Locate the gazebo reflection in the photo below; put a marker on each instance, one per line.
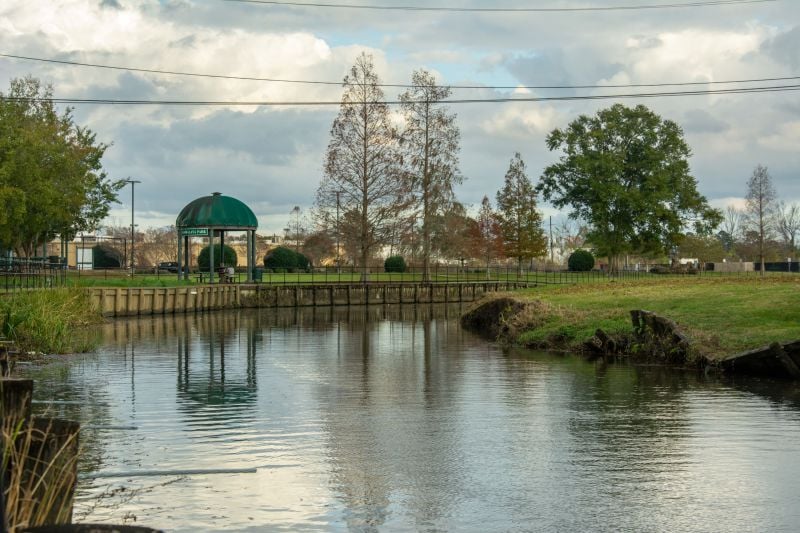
(217, 368)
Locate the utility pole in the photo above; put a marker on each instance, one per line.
(551, 239)
(133, 226)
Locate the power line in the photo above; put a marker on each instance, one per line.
(107, 101)
(710, 3)
(395, 85)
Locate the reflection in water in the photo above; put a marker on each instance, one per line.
(394, 418)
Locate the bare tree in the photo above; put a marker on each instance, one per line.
(788, 225)
(430, 144)
(732, 221)
(489, 241)
(760, 207)
(362, 166)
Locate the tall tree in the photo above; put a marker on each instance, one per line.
(520, 222)
(625, 172)
(51, 177)
(488, 240)
(760, 212)
(450, 233)
(788, 225)
(362, 164)
(430, 144)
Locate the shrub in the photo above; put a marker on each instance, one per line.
(395, 263)
(229, 258)
(281, 259)
(104, 256)
(580, 261)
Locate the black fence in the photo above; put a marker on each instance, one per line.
(36, 273)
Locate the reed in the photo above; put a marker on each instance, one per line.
(39, 468)
(50, 321)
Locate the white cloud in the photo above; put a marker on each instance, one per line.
(274, 156)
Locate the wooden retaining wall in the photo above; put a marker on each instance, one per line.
(130, 301)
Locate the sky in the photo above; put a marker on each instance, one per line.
(271, 157)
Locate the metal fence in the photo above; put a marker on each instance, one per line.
(437, 274)
(21, 274)
(25, 274)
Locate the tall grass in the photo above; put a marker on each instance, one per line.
(50, 321)
(39, 463)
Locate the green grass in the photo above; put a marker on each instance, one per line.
(722, 315)
(49, 321)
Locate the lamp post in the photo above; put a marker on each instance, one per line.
(296, 213)
(133, 227)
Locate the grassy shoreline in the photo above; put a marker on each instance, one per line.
(721, 316)
(52, 321)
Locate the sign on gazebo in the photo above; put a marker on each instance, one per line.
(194, 232)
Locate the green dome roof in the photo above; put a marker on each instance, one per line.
(216, 211)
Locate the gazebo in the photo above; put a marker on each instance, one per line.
(212, 216)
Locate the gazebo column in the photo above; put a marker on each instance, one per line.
(249, 256)
(211, 255)
(187, 255)
(180, 255)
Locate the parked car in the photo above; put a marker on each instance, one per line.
(169, 266)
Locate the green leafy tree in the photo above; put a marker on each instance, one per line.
(430, 144)
(228, 257)
(362, 166)
(51, 176)
(520, 222)
(625, 172)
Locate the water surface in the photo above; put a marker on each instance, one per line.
(395, 419)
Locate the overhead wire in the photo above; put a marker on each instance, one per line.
(637, 7)
(267, 103)
(394, 85)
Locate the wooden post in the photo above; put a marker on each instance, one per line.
(16, 397)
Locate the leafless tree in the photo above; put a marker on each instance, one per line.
(732, 219)
(430, 144)
(788, 224)
(489, 238)
(362, 165)
(760, 212)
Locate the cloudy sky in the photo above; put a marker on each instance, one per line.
(271, 157)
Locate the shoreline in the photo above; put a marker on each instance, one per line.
(746, 327)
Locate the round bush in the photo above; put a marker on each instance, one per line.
(104, 256)
(395, 263)
(580, 261)
(281, 258)
(229, 259)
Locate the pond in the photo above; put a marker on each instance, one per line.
(396, 419)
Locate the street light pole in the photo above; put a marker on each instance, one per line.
(296, 212)
(133, 227)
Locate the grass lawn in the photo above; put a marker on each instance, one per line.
(721, 315)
